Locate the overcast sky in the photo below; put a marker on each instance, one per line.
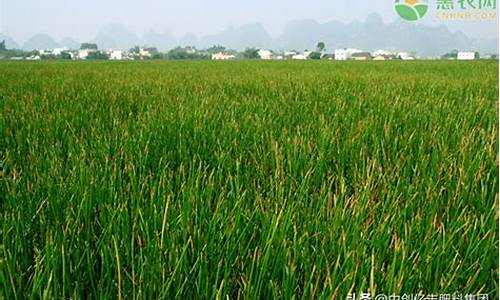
(81, 20)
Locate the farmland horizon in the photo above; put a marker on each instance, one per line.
(370, 34)
(274, 26)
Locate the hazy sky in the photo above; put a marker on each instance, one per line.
(81, 20)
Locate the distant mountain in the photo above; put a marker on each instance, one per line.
(70, 43)
(189, 39)
(251, 35)
(115, 36)
(40, 41)
(9, 42)
(302, 35)
(371, 34)
(163, 41)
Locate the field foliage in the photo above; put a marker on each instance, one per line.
(250, 180)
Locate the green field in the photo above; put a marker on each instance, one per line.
(248, 180)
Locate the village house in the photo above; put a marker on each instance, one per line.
(340, 54)
(222, 56)
(33, 57)
(382, 52)
(345, 53)
(289, 54)
(83, 53)
(328, 56)
(115, 54)
(190, 50)
(361, 56)
(466, 55)
(299, 57)
(144, 53)
(58, 51)
(405, 56)
(302, 56)
(265, 54)
(380, 57)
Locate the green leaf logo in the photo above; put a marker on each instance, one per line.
(411, 10)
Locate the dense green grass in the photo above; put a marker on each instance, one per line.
(251, 180)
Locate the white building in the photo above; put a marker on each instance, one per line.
(379, 57)
(116, 54)
(83, 53)
(190, 50)
(58, 51)
(289, 54)
(33, 57)
(405, 56)
(361, 56)
(302, 56)
(487, 56)
(345, 54)
(265, 54)
(222, 56)
(340, 54)
(144, 53)
(299, 56)
(466, 55)
(382, 52)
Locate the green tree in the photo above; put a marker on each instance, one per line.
(186, 53)
(315, 55)
(2, 46)
(97, 55)
(320, 47)
(216, 49)
(453, 54)
(64, 55)
(8, 53)
(48, 56)
(251, 53)
(136, 49)
(155, 54)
